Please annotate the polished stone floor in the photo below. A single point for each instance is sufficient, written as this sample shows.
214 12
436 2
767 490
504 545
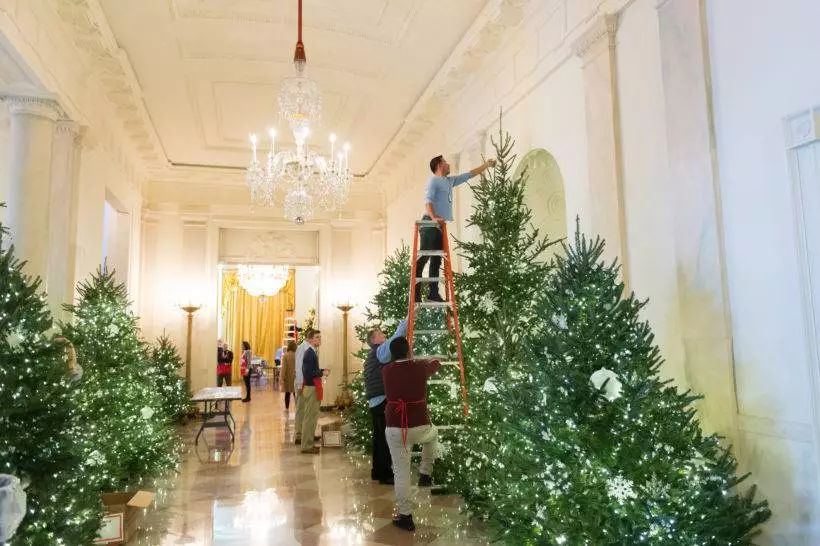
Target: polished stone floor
263 491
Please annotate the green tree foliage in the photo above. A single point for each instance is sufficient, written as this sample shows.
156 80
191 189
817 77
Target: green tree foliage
39 441
129 437
173 389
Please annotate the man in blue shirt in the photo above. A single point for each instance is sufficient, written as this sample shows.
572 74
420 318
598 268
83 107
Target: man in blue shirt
382 466
439 204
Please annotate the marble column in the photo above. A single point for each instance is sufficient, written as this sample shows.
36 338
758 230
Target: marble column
701 274
32 131
64 204
596 49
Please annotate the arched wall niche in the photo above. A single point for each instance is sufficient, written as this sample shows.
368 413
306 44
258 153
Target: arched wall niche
544 193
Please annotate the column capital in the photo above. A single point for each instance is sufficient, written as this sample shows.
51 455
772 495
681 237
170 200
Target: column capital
69 130
33 105
603 28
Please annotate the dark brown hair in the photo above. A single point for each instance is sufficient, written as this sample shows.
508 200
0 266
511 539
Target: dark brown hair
435 162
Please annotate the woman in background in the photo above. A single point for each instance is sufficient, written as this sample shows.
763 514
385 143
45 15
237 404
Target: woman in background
288 372
245 369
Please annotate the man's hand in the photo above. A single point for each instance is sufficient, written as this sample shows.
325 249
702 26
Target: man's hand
491 163
326 372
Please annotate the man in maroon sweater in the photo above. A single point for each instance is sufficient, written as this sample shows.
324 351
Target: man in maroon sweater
408 423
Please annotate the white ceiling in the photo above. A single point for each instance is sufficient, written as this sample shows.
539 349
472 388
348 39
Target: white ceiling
210 69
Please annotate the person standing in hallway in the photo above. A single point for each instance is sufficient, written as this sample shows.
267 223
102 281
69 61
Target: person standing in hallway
312 376
288 372
224 362
408 423
297 385
382 466
244 368
438 202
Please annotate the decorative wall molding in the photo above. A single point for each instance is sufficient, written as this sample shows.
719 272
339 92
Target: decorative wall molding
802 128
269 247
89 31
604 27
467 59
33 106
762 426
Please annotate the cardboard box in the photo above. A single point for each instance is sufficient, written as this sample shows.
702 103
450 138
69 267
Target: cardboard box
122 514
331 434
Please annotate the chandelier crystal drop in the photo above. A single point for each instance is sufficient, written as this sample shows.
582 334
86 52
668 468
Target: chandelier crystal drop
307 180
263 280
300 100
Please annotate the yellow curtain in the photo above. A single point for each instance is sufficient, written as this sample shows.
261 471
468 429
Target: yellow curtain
258 320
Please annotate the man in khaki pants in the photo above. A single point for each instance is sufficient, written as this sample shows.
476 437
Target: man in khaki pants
408 423
311 392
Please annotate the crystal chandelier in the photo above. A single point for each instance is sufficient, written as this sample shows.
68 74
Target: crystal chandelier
263 280
306 179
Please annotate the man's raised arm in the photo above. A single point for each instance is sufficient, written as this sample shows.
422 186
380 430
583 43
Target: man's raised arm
383 351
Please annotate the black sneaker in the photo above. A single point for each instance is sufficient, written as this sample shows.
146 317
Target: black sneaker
374 476
387 481
404 522
435 297
425 480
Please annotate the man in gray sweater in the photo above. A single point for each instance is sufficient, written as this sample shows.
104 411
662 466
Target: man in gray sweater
382 466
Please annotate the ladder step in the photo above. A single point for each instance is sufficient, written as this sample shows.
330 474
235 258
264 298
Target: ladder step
443 360
430 279
449 427
431 332
432 253
434 305
428 223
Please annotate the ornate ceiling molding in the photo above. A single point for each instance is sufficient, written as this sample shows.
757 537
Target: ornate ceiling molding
483 38
90 33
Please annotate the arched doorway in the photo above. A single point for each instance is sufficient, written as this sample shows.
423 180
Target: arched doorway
544 193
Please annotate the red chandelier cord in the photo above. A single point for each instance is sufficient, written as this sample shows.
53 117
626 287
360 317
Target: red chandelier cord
299 54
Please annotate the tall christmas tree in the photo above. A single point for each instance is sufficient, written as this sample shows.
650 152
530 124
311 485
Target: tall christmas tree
129 437
507 269
174 389
38 444
605 451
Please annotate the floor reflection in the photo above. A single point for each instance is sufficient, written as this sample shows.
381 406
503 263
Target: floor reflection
263 491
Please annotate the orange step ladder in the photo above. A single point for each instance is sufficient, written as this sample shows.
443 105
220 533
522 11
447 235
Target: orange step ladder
448 306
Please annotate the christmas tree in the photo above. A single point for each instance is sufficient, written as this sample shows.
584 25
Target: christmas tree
38 443
507 268
386 309
308 324
129 436
174 389
605 452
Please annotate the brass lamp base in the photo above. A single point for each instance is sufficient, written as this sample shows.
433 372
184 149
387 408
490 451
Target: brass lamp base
344 399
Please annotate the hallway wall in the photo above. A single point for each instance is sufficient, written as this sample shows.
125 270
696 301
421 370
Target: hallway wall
702 217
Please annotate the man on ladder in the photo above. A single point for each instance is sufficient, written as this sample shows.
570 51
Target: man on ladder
439 205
